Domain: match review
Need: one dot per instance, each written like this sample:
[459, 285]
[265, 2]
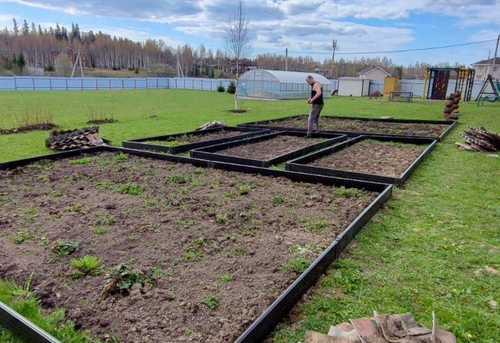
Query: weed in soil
[317, 226]
[278, 200]
[100, 230]
[131, 189]
[226, 278]
[87, 265]
[123, 278]
[179, 179]
[348, 192]
[244, 189]
[221, 218]
[195, 251]
[82, 161]
[105, 219]
[65, 248]
[22, 236]
[297, 265]
[212, 302]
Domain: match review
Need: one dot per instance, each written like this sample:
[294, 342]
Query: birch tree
[238, 41]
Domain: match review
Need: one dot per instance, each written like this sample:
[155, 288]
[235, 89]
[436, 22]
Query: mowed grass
[155, 112]
[434, 247]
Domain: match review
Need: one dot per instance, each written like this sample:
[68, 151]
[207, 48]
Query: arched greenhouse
[278, 84]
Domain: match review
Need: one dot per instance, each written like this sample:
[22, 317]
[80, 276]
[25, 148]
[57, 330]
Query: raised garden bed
[354, 126]
[266, 150]
[378, 159]
[182, 142]
[213, 248]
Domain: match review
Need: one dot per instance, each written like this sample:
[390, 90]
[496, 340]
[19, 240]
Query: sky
[305, 27]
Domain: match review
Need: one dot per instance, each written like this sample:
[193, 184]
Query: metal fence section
[40, 83]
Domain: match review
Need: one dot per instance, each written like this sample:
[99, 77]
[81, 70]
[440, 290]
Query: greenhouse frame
[278, 84]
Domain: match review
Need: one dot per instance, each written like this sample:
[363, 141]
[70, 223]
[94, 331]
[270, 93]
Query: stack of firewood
[478, 139]
[74, 139]
[451, 109]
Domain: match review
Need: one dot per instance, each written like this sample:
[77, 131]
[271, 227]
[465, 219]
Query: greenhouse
[278, 84]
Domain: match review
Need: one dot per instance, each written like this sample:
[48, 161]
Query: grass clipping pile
[145, 250]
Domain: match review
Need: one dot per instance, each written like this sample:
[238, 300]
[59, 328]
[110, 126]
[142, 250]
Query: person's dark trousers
[313, 122]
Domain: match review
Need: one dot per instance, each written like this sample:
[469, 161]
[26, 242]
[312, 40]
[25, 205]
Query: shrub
[231, 89]
[221, 89]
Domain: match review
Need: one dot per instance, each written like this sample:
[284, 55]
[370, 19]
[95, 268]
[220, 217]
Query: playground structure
[437, 81]
[491, 96]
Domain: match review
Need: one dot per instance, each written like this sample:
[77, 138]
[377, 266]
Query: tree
[15, 26]
[237, 40]
[20, 62]
[63, 64]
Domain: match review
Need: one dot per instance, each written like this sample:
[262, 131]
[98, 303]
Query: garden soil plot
[202, 251]
[364, 126]
[270, 148]
[373, 157]
[189, 139]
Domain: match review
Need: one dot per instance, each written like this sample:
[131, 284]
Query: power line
[395, 51]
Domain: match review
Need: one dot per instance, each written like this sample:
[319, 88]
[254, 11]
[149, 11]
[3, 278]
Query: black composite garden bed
[268, 149]
[280, 307]
[372, 158]
[183, 142]
[355, 126]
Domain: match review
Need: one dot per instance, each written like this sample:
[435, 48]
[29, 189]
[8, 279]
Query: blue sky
[306, 27]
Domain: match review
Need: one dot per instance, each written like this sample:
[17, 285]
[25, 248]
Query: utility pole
[334, 47]
[286, 59]
[496, 54]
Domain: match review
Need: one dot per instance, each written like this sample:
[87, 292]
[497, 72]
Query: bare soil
[29, 128]
[221, 246]
[271, 148]
[352, 125]
[373, 157]
[188, 139]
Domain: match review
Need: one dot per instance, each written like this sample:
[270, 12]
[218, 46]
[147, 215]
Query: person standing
[316, 101]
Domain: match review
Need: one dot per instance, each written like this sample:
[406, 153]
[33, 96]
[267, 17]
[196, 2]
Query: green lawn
[434, 247]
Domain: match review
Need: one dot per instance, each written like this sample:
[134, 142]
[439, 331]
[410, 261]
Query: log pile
[451, 109]
[382, 329]
[74, 139]
[478, 139]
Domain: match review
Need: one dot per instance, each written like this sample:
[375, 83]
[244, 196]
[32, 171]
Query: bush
[231, 89]
[221, 89]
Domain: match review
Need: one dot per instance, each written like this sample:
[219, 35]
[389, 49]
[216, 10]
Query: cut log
[478, 139]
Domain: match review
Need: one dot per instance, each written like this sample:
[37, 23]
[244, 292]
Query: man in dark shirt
[317, 103]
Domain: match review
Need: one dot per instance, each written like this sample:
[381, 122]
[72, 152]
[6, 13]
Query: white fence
[28, 83]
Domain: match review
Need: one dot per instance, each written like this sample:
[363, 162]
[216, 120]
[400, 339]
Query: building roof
[487, 62]
[281, 76]
[367, 69]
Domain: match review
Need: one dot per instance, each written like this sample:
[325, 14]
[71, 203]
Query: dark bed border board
[280, 308]
[273, 124]
[301, 164]
[142, 143]
[211, 152]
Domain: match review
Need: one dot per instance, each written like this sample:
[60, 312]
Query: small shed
[353, 86]
[375, 73]
[278, 84]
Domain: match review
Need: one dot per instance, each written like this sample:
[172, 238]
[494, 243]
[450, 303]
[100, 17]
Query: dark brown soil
[352, 125]
[373, 157]
[188, 139]
[102, 121]
[223, 245]
[28, 128]
[271, 148]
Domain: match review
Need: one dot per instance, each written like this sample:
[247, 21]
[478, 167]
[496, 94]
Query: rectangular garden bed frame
[142, 143]
[282, 305]
[301, 164]
[211, 152]
[275, 126]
